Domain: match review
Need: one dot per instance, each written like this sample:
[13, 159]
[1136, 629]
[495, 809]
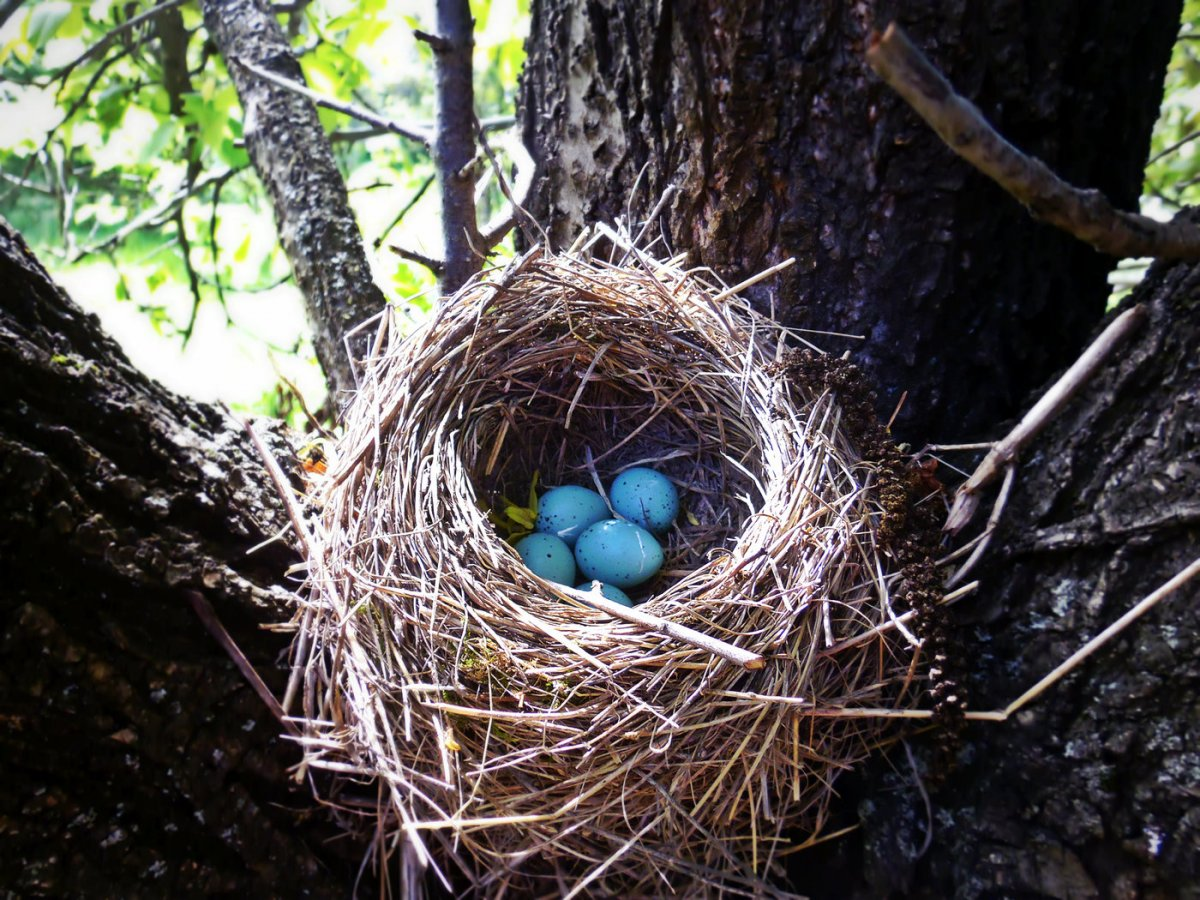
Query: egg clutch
[576, 532]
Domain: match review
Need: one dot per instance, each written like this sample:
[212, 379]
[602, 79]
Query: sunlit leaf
[45, 19]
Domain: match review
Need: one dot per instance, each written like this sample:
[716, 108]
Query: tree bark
[135, 759]
[454, 146]
[1090, 791]
[783, 143]
[139, 764]
[296, 166]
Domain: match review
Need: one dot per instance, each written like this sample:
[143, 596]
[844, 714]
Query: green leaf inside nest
[513, 520]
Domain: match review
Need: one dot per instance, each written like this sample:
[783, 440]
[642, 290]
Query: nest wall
[515, 736]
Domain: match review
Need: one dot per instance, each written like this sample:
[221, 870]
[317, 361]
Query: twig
[1005, 452]
[425, 185]
[491, 123]
[154, 216]
[754, 279]
[917, 780]
[115, 32]
[744, 658]
[208, 616]
[436, 266]
[185, 251]
[1186, 139]
[1104, 637]
[349, 109]
[1086, 214]
[517, 194]
[284, 489]
[1010, 474]
[218, 186]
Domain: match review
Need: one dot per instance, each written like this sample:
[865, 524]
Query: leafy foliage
[123, 152]
[1173, 174]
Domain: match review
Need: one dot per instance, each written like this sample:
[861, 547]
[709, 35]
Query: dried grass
[521, 740]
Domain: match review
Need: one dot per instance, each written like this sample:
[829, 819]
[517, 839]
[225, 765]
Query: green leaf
[45, 21]
[519, 514]
[243, 249]
[158, 141]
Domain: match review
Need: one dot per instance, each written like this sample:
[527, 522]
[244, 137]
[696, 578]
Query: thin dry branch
[517, 194]
[115, 32]
[383, 123]
[1006, 451]
[1077, 658]
[434, 265]
[1086, 214]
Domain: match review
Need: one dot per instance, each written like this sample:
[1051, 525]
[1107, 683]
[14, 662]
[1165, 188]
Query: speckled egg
[566, 511]
[612, 592]
[618, 552]
[547, 556]
[645, 497]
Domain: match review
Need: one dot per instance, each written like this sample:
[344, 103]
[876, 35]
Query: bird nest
[520, 735]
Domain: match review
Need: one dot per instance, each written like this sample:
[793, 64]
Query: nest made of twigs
[518, 737]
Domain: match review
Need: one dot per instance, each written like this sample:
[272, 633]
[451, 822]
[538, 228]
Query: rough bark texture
[454, 146]
[784, 143]
[1091, 791]
[296, 166]
[135, 760]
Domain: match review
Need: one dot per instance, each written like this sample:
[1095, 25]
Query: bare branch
[1005, 452]
[105, 42]
[516, 194]
[407, 208]
[454, 143]
[1086, 214]
[152, 217]
[185, 251]
[384, 124]
[436, 266]
[295, 163]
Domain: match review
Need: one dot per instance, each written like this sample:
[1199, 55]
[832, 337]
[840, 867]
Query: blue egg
[645, 497]
[619, 553]
[612, 592]
[548, 557]
[566, 511]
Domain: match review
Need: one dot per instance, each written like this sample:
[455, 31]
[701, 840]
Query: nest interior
[516, 736]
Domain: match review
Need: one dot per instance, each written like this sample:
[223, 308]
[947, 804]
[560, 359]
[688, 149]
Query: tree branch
[382, 123]
[128, 25]
[405, 210]
[516, 194]
[436, 266]
[150, 217]
[295, 163]
[1004, 453]
[454, 144]
[1086, 214]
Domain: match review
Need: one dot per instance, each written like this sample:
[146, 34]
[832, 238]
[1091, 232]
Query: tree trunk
[1090, 791]
[294, 162]
[139, 764]
[783, 143]
[136, 761]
